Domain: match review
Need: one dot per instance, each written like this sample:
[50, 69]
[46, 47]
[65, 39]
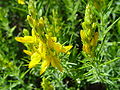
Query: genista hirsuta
[88, 35]
[42, 47]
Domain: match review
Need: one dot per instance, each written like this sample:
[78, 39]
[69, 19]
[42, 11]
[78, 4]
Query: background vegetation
[80, 72]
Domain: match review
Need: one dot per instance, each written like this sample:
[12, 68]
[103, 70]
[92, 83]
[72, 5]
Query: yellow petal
[34, 35]
[68, 53]
[35, 59]
[33, 32]
[21, 2]
[19, 39]
[55, 62]
[45, 65]
[57, 47]
[25, 39]
[29, 39]
[67, 48]
[50, 43]
[83, 35]
[41, 22]
[27, 52]
[42, 49]
[54, 39]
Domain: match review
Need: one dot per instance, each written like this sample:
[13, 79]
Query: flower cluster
[88, 35]
[42, 48]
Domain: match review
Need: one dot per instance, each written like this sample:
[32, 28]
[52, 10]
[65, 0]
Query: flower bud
[25, 32]
[31, 21]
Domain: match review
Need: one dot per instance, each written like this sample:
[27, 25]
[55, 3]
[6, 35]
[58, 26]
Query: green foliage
[63, 18]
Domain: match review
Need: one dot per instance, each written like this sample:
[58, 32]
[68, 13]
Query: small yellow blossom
[57, 46]
[86, 48]
[65, 49]
[21, 2]
[83, 35]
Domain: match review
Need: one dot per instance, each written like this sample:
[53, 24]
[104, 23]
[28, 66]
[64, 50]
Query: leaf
[109, 62]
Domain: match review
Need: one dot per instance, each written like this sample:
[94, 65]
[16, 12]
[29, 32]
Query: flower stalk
[42, 47]
[88, 35]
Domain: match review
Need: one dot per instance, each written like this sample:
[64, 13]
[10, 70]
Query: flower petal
[25, 39]
[67, 48]
[45, 65]
[29, 39]
[35, 59]
[21, 2]
[57, 47]
[27, 52]
[55, 62]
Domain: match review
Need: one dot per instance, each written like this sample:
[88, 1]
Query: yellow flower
[86, 48]
[25, 39]
[83, 35]
[51, 41]
[21, 2]
[65, 49]
[55, 62]
[43, 50]
[28, 39]
[94, 39]
[35, 59]
[57, 46]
